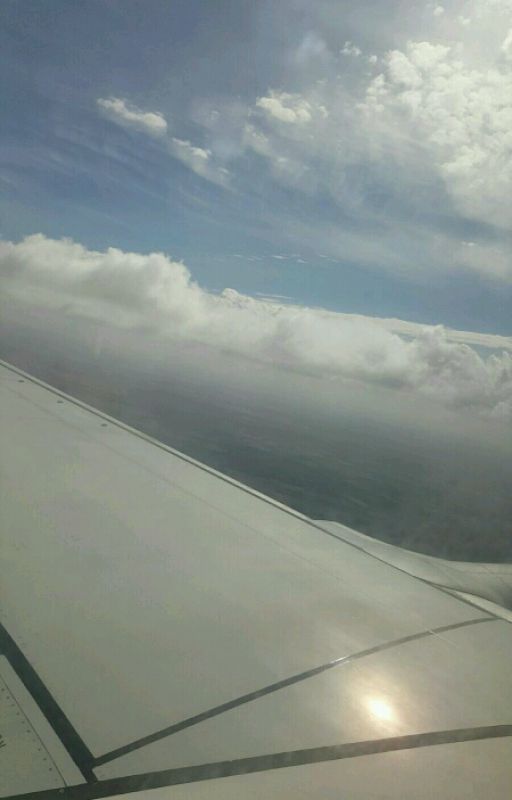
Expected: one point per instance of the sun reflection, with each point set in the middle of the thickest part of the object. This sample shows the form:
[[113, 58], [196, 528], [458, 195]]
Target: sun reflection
[[380, 709]]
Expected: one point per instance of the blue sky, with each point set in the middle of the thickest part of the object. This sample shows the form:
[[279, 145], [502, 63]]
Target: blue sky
[[357, 159]]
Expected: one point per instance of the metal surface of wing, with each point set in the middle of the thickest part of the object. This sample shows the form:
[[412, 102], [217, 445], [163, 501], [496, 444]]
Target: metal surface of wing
[[158, 618]]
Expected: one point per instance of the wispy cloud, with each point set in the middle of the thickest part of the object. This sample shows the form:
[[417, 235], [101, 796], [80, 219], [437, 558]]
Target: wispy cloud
[[153, 123], [411, 143], [350, 49], [117, 109], [198, 160]]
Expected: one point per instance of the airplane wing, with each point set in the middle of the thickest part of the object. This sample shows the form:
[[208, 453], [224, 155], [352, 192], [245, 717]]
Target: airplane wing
[[171, 633]]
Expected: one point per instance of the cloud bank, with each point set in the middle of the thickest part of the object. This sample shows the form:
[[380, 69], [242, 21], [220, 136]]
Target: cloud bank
[[158, 296]]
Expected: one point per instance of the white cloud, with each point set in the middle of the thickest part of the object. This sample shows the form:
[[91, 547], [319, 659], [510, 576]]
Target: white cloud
[[428, 134], [152, 292], [506, 47], [285, 168], [350, 49], [415, 330], [285, 107], [430, 129], [198, 160], [459, 108], [196, 155], [438, 11], [151, 122]]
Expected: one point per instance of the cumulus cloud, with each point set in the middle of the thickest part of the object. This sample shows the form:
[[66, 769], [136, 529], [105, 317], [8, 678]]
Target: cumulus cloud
[[461, 113], [155, 294], [289, 108], [117, 109], [283, 128]]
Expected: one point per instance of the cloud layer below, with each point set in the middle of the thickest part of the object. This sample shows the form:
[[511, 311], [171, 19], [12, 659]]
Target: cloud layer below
[[159, 297]]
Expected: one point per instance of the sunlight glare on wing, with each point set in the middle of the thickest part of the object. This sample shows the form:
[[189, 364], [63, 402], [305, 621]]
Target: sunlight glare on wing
[[380, 709]]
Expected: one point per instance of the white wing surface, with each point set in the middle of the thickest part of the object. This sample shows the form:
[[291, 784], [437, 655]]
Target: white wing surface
[[164, 626]]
